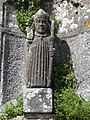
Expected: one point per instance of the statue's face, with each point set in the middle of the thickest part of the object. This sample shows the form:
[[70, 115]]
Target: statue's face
[[41, 25]]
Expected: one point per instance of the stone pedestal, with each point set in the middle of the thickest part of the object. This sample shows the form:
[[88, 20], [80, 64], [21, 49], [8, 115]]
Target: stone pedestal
[[38, 100], [38, 104]]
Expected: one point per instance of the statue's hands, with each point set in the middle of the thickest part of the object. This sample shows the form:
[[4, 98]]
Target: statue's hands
[[51, 38], [52, 51], [29, 34]]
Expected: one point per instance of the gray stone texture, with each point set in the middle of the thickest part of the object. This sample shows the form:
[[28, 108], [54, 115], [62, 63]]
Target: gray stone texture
[[24, 118], [75, 41], [13, 58], [73, 19], [71, 24], [12, 68], [80, 52], [38, 100], [0, 25], [41, 116], [0, 51]]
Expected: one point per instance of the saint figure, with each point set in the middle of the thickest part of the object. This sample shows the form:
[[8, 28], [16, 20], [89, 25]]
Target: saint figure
[[40, 52]]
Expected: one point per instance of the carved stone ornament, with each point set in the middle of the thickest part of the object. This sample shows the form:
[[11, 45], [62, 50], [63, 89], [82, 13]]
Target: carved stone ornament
[[40, 52]]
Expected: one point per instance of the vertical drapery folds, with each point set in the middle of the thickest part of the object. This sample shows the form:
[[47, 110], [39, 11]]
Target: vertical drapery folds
[[38, 73]]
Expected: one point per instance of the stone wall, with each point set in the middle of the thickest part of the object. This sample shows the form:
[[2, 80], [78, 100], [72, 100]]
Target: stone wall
[[74, 16], [1, 12], [80, 52], [74, 29], [0, 25], [13, 57]]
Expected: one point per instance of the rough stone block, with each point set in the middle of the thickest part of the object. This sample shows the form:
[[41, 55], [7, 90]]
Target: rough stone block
[[40, 116], [38, 100]]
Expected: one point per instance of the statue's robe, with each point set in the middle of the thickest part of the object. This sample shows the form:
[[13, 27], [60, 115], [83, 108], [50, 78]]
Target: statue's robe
[[39, 61]]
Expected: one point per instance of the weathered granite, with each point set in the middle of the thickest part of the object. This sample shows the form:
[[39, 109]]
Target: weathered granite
[[73, 15], [38, 100], [24, 118], [13, 58], [12, 68], [41, 116], [0, 32], [80, 52], [1, 12]]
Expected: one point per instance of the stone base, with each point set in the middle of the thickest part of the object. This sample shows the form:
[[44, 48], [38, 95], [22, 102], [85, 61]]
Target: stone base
[[40, 116], [38, 100], [33, 117]]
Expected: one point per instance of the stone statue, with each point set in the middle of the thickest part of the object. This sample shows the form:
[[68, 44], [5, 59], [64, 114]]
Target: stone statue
[[40, 52]]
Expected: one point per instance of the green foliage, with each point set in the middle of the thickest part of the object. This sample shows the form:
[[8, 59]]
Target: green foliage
[[67, 105], [63, 74], [25, 10], [25, 19], [11, 110]]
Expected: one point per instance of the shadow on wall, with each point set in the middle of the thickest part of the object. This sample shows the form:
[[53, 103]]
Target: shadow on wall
[[62, 50], [63, 73]]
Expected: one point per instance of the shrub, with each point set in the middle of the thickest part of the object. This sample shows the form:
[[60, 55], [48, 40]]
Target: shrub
[[11, 110], [63, 74], [67, 105]]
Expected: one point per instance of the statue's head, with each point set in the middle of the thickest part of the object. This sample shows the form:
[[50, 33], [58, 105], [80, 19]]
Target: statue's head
[[41, 22]]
